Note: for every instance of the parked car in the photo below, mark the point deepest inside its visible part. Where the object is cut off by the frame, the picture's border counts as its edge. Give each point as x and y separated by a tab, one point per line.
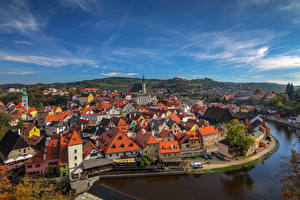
218	155
196	165
205	156
209	156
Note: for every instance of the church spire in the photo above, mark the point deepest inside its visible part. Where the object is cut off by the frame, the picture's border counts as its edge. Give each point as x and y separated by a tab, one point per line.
144	91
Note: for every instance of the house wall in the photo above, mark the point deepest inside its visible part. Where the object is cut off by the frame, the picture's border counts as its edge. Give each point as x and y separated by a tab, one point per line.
39	167
74	158
20	152
211	139
169	155
122	154
152	150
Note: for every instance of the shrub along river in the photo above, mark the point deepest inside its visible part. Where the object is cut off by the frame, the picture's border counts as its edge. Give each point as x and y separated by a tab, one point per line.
258	182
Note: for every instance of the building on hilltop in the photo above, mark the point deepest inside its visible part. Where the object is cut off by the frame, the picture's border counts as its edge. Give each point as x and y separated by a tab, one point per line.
142	97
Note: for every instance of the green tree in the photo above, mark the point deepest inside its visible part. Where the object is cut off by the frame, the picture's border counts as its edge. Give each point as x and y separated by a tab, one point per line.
279	104
147	160
236	135
290	91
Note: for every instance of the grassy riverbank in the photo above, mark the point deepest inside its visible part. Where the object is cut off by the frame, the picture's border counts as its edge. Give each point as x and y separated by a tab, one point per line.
240	166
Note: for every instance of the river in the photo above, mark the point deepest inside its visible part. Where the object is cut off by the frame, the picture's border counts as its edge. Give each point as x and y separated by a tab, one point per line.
258	182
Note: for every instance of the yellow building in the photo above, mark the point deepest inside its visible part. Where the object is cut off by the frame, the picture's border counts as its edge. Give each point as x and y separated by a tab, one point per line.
258	136
55	110
86	98
30	130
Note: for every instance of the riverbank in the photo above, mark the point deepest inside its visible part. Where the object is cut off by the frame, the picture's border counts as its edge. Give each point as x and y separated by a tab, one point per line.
282	121
242	163
209	168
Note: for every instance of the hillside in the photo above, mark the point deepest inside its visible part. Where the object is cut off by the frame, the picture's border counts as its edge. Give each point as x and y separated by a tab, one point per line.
176	84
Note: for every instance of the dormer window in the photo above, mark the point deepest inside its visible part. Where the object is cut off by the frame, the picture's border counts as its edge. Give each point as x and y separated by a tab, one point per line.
131	145
113	146
120	138
122	145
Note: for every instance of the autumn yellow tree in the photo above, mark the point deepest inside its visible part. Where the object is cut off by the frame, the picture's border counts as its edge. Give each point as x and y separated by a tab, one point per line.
5	185
37	189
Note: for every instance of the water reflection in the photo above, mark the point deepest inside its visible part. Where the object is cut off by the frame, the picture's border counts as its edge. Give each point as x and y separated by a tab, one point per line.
236	184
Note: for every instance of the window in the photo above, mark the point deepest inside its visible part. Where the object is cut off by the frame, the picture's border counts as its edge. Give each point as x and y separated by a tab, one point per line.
122	145
24	151
75	164
113	146
117	154
93	154
75	157
37	165
75	151
29	166
145	151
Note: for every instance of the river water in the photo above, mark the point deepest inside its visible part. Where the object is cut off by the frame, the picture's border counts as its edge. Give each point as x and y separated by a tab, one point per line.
258	182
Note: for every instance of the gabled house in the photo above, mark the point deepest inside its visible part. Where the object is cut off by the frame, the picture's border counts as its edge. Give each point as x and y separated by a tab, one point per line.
169	152
116	144
210	136
30	130
148	144
14	150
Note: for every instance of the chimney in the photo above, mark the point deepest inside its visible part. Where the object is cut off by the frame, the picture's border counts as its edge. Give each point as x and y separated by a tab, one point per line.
19	131
81	126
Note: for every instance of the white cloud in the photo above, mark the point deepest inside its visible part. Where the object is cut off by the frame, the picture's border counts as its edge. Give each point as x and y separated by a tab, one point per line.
129	53
48	61
90	6
261	52
18	73
278	62
16	16
22	42
231	47
112	74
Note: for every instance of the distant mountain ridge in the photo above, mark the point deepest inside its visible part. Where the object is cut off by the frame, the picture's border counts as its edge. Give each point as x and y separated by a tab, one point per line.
176	84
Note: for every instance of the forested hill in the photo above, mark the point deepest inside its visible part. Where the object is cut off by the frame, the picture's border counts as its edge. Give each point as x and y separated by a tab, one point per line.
177	84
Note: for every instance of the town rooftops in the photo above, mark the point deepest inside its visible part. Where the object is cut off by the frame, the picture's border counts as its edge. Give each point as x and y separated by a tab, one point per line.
169	147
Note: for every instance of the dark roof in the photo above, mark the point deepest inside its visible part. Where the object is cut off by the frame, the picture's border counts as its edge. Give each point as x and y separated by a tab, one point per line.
53	124
11	141
243	116
104	122
91	163
215	115
136	87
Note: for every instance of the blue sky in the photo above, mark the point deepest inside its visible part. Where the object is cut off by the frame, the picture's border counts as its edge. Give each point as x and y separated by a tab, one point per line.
71	40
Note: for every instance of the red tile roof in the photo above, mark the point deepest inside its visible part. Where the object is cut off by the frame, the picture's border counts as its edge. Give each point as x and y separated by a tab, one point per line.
169	147
194	135
207	130
63	151
143	139
52	149
75	139
88	147
114	141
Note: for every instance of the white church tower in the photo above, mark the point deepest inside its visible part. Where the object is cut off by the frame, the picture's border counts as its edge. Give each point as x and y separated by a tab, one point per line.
144	90
25	99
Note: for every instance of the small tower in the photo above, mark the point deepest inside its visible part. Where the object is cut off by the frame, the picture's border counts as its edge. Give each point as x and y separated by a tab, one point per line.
144	91
25	99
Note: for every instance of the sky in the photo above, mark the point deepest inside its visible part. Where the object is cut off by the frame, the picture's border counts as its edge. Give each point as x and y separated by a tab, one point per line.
72	40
